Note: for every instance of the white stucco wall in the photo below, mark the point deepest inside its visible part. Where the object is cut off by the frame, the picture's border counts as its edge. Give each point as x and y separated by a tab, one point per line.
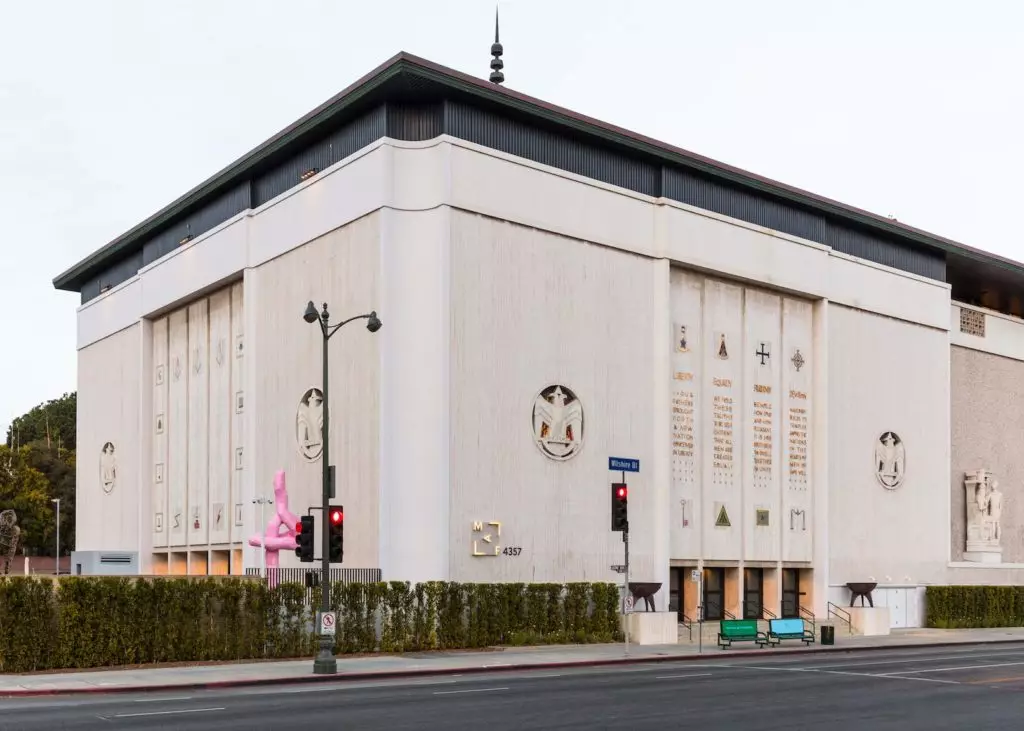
342	269
108	411
430	234
887	375
530	310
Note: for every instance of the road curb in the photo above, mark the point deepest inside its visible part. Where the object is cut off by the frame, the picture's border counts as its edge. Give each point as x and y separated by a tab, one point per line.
479	670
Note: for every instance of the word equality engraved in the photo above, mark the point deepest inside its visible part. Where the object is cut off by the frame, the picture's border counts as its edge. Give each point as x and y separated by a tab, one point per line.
488	539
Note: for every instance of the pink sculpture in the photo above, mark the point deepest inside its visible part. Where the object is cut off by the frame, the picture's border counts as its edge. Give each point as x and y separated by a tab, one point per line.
273	540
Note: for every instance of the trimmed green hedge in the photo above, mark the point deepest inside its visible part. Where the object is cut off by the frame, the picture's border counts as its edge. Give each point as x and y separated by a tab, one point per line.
962	607
92	622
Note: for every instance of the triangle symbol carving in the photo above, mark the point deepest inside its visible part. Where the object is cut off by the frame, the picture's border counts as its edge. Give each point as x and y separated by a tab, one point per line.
723	519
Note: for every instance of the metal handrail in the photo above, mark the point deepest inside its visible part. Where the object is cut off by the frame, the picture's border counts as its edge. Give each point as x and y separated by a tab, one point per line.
762	612
688	623
808	615
841	614
725	612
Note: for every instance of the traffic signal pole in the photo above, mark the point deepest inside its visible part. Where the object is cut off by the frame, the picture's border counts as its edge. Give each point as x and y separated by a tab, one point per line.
625	541
325	663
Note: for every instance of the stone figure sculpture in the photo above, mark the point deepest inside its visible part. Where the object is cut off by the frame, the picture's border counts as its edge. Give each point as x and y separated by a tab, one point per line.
9	535
984	503
273	539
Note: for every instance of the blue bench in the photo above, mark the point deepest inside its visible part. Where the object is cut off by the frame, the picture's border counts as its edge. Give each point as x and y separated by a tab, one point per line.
788	629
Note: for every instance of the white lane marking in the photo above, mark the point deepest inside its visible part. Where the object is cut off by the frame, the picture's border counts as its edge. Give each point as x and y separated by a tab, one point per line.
470	690
325	688
906	660
533	677
946	670
693	675
161	700
168	713
841	672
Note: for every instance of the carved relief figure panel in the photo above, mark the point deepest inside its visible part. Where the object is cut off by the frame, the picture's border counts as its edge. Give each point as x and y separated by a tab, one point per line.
890	460
688	343
984	503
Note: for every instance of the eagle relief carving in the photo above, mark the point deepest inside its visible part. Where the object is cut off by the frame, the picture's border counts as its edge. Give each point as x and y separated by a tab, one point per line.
558	422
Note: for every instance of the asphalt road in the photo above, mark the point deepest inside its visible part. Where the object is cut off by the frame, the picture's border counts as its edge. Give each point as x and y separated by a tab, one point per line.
974	687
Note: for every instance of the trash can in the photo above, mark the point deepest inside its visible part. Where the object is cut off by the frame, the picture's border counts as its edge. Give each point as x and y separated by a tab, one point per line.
828	635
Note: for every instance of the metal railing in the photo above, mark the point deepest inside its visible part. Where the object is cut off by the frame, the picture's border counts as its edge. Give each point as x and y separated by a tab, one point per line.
726	614
760	610
834	610
808	616
688	623
310	578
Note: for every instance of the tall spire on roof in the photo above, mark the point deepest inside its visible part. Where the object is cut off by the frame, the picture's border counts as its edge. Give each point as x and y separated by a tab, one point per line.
496	50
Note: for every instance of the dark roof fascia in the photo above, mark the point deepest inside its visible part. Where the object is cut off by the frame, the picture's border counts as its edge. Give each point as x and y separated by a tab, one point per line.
501	95
71	279
722	171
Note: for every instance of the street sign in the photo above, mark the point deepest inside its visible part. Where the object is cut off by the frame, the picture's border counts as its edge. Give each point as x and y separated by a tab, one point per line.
619	568
695	576
327	623
622	464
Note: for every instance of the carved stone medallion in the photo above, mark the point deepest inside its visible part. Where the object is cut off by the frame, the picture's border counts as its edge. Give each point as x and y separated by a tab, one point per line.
558	422
309	424
890	460
108	468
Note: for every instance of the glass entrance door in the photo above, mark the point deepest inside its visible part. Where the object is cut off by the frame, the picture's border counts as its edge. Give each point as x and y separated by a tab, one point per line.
753	593
714	593
790	593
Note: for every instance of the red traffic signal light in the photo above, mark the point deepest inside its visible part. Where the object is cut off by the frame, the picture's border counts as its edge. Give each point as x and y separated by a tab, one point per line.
336	534
304	530
620	518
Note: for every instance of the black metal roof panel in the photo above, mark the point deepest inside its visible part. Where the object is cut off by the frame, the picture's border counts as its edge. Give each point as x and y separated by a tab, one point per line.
409	79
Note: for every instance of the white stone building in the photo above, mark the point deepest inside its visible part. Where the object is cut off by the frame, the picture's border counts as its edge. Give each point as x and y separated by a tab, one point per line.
804	384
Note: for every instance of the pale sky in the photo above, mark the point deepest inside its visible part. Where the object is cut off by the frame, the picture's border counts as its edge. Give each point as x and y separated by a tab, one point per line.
109	109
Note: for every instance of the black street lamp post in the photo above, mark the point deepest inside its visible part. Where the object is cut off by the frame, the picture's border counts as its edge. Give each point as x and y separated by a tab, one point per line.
325	662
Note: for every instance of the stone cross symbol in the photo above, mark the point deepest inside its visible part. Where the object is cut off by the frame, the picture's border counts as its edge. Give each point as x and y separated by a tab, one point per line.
798	360
763	353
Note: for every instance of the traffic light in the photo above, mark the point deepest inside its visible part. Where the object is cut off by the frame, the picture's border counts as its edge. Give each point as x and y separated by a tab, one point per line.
304	538
620	520
336	535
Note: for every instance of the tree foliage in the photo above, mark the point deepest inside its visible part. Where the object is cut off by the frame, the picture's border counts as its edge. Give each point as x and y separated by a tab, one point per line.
37	465
53	423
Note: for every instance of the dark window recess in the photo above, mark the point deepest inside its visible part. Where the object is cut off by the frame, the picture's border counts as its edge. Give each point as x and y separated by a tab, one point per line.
210	216
703	192
415	122
319	155
535	139
552	148
120	272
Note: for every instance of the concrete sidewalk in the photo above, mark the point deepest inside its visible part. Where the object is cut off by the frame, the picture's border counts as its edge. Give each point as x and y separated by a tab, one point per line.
433	663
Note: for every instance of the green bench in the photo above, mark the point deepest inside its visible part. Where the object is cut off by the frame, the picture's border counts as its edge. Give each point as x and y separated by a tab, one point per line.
788	629
740	630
